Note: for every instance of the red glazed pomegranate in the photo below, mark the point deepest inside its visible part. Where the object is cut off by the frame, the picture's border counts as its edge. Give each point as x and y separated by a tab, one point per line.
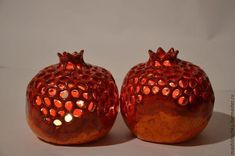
166	100
71	102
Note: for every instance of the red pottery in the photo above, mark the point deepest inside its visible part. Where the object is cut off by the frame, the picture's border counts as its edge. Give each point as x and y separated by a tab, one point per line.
71	102
166	100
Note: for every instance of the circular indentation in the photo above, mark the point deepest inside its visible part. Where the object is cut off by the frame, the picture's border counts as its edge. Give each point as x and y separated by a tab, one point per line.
61	113
68	105
81	87
139	98
77	113
161	82
167	63
192	83
57	122
176	93
157	63
151	82
38	84
91	107
59	74
205	96
68	118
187	91
57	103
75	93
70	66
52	91
47	101
61	86
47	76
130	88
94	96
51	84
196	91
48	120
136	80
172	84
155	89
143	81
137	89
159	71
146	90
183	101
44	111
79	66
187	75
183	83
38	101
85	95
166	91
43	90
70	85
52	112
111	111
169	72
192	99
64	94
150	75
200	79
80	103
133	99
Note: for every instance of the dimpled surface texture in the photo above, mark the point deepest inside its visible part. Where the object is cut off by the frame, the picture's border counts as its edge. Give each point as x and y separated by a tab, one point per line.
166	100
71	102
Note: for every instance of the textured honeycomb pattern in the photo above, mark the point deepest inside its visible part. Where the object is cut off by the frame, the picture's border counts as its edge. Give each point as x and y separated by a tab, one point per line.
163	75
67	91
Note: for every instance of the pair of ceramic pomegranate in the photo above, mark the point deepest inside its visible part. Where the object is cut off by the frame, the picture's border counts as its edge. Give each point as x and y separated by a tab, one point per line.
164	100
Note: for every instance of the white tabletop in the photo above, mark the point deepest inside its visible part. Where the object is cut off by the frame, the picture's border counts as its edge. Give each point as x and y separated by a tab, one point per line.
115	35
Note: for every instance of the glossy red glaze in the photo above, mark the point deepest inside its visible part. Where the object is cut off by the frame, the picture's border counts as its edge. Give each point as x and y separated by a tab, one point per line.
72	102
166	100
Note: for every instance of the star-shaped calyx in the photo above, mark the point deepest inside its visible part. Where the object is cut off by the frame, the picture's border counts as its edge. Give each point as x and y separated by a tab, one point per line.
72	61
160	57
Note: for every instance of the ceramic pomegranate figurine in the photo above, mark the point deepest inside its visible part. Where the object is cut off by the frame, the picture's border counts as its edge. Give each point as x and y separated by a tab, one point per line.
166	100
71	102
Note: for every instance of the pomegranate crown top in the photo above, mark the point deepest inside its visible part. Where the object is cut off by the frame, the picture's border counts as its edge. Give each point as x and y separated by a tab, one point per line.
160	56
71	61
74	58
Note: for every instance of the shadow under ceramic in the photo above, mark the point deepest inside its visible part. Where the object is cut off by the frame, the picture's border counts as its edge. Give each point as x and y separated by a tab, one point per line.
217	130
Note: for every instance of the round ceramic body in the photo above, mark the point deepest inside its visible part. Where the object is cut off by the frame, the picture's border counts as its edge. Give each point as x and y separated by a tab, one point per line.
71	102
166	100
